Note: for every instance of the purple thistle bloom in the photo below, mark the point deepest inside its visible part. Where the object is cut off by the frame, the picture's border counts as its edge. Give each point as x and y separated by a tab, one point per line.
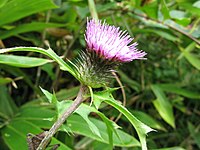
110	42
107	47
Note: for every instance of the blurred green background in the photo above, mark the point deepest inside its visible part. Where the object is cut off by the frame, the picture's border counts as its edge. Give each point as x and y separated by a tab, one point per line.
162	91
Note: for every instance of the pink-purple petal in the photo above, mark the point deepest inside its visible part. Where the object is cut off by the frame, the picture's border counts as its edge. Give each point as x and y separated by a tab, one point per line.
111	42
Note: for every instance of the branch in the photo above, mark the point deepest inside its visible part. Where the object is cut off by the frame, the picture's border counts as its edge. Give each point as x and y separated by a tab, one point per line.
123	93
62	119
169	26
160	22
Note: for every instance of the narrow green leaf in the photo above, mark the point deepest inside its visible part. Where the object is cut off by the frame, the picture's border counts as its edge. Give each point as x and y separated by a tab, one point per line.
151	9
7	105
110	128
34	26
193	59
161	33
5	80
180	17
50	53
194	132
163	105
166	35
180	91
148	120
92	8
22	61
188	49
84	113
48	95
140	127
164	9
17	9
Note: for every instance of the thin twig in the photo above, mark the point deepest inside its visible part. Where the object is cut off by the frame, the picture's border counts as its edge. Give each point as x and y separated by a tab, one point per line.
38	74
76	35
123	94
2	44
163	23
142	76
169	26
64	116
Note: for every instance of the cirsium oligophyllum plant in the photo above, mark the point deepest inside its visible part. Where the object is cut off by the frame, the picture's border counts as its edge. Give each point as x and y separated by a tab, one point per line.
107	47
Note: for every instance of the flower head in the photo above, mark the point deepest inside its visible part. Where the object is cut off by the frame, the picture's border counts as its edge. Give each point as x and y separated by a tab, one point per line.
110	42
107	47
92	70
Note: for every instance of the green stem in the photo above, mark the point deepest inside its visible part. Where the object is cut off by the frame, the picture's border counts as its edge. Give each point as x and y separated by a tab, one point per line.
79	99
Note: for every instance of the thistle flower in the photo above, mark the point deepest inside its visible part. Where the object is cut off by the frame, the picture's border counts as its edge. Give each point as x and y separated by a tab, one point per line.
107	47
111	42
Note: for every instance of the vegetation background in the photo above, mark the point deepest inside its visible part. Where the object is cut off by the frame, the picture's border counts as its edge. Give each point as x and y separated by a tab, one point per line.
162	91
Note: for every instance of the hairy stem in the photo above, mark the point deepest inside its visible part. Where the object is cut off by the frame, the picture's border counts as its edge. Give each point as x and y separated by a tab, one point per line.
62	119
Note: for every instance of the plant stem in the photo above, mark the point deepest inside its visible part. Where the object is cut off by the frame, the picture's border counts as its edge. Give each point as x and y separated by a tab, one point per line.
62	119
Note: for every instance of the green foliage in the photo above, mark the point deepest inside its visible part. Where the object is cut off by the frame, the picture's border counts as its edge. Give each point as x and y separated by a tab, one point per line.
21	61
162	92
141	128
163	105
50	53
16	9
29	27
